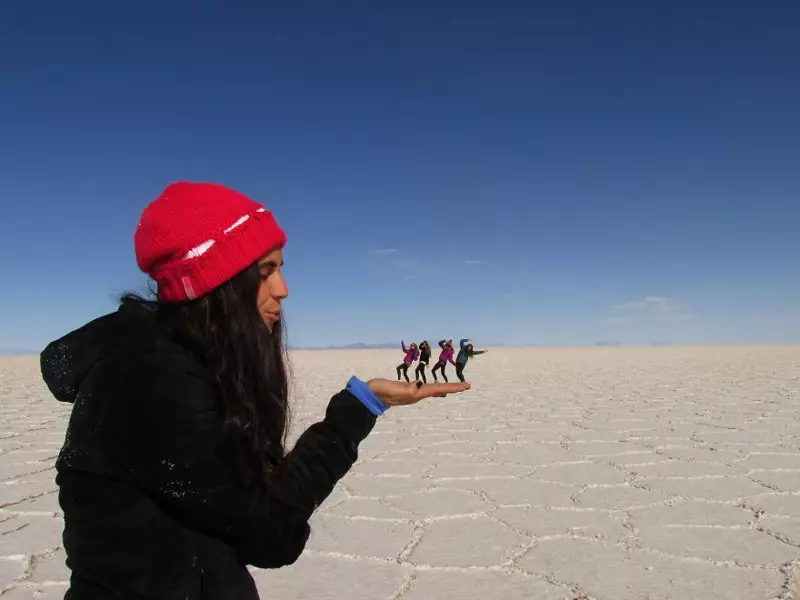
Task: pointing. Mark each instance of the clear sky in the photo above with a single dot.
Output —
(521, 172)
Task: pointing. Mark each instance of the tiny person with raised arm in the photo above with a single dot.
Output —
(464, 354)
(445, 356)
(411, 354)
(424, 360)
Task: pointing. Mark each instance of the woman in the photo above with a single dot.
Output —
(411, 354)
(465, 352)
(445, 356)
(424, 359)
(174, 475)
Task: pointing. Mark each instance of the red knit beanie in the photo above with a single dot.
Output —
(196, 236)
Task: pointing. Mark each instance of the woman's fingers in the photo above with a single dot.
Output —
(442, 389)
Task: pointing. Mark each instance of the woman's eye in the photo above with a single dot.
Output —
(268, 269)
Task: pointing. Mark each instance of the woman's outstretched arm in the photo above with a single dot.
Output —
(162, 428)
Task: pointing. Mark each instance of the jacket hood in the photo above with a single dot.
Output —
(66, 362)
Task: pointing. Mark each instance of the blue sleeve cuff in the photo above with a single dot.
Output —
(361, 391)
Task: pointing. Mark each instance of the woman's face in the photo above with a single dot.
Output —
(272, 290)
(413, 346)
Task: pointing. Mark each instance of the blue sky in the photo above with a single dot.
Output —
(518, 172)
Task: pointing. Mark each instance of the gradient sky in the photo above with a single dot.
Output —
(520, 172)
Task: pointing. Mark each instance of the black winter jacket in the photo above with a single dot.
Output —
(151, 509)
(425, 355)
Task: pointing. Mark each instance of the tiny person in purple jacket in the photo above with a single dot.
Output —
(412, 354)
(445, 356)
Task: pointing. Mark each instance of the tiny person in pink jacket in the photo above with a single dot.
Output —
(446, 356)
(412, 354)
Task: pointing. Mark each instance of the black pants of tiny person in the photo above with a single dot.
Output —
(439, 366)
(420, 372)
(460, 370)
(404, 368)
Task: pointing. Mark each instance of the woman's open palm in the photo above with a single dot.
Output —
(398, 393)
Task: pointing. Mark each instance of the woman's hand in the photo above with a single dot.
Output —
(396, 393)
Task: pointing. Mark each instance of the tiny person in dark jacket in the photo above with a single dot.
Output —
(465, 352)
(424, 359)
(174, 475)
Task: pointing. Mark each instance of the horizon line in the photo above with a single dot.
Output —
(354, 348)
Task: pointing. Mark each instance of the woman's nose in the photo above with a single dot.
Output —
(278, 287)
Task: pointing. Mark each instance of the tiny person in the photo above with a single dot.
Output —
(464, 354)
(445, 356)
(411, 354)
(424, 359)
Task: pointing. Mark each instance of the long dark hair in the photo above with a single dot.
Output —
(226, 333)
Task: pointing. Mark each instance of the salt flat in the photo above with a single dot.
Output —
(593, 473)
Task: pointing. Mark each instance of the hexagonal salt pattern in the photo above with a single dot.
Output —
(565, 474)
